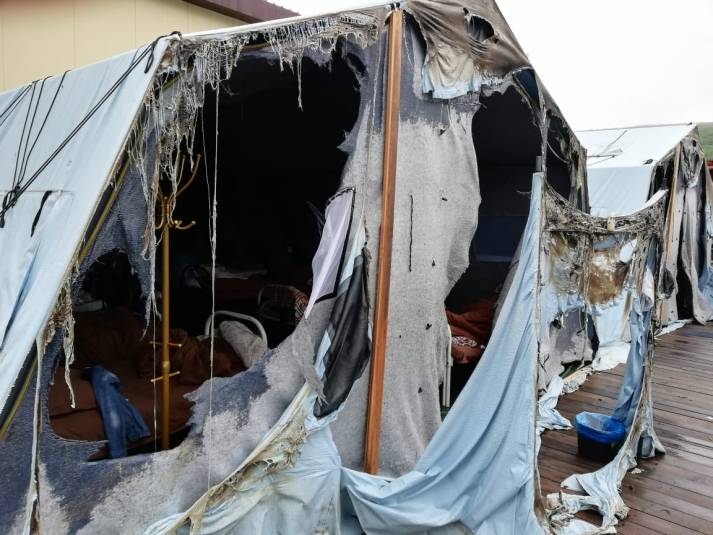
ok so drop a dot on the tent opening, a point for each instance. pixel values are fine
(273, 166)
(507, 145)
(278, 165)
(661, 177)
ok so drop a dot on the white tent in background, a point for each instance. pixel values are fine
(625, 168)
(621, 163)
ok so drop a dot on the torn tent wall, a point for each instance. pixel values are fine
(586, 273)
(46, 129)
(238, 410)
(260, 503)
(483, 480)
(469, 45)
(436, 215)
(268, 493)
(62, 183)
(688, 261)
(600, 490)
(231, 416)
(450, 486)
(442, 492)
(626, 167)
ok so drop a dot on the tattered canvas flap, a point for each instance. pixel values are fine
(591, 266)
(328, 261)
(468, 42)
(694, 240)
(35, 210)
(597, 261)
(79, 170)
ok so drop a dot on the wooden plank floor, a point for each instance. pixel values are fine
(674, 493)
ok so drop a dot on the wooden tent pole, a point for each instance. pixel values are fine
(668, 232)
(672, 201)
(386, 231)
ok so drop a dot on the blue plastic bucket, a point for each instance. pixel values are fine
(599, 437)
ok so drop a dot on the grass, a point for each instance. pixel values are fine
(706, 131)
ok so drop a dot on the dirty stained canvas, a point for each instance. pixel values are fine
(626, 167)
(283, 124)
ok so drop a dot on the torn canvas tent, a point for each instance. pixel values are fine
(479, 472)
(261, 147)
(625, 168)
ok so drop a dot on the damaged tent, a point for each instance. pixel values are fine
(625, 168)
(229, 257)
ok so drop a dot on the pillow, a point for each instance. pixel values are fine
(248, 345)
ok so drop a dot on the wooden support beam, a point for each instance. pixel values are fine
(386, 231)
(669, 237)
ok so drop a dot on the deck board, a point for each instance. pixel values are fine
(674, 493)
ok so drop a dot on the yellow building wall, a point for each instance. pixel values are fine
(39, 38)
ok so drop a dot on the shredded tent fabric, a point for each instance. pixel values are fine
(281, 441)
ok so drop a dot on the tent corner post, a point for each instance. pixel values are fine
(668, 236)
(386, 230)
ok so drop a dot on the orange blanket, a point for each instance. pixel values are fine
(113, 338)
(470, 330)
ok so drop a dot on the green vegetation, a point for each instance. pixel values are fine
(706, 131)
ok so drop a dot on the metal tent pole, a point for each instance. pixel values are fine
(165, 225)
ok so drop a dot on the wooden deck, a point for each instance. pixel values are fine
(674, 493)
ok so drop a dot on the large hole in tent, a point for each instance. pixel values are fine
(277, 167)
(661, 177)
(507, 146)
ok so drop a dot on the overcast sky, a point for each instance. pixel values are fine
(610, 63)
